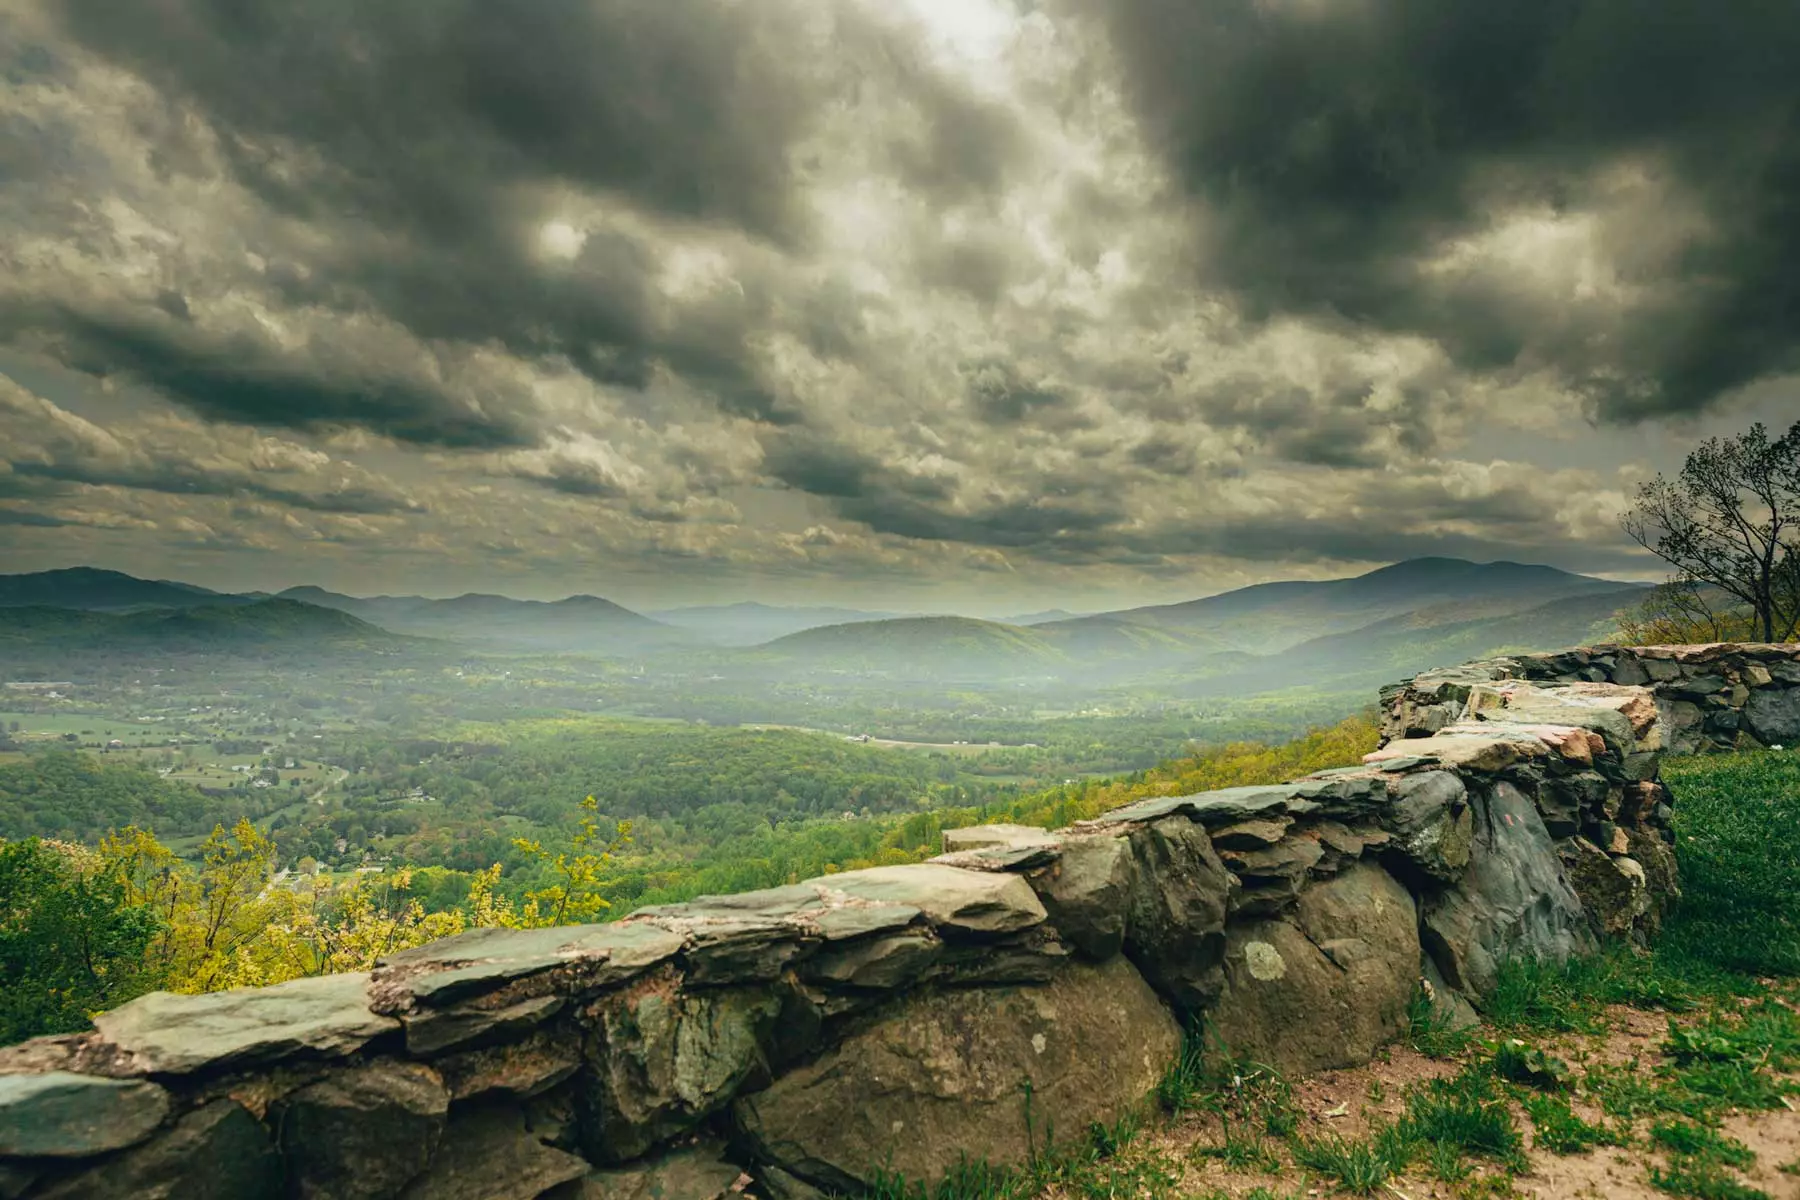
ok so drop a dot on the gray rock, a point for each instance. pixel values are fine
(62, 1115)
(1513, 900)
(776, 1183)
(1614, 891)
(166, 1034)
(363, 1132)
(879, 963)
(695, 1173)
(1221, 807)
(523, 1068)
(662, 1060)
(1448, 1005)
(1175, 913)
(437, 1030)
(1271, 876)
(487, 1155)
(1251, 835)
(1085, 893)
(945, 1075)
(1327, 986)
(953, 899)
(1030, 957)
(1772, 716)
(1542, 706)
(217, 1152)
(452, 969)
(1432, 824)
(1681, 724)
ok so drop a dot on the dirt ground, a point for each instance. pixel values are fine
(1348, 1102)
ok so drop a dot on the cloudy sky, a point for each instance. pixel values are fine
(911, 303)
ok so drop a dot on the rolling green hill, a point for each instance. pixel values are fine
(580, 624)
(921, 647)
(1269, 618)
(102, 591)
(263, 624)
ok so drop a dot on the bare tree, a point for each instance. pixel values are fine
(1731, 521)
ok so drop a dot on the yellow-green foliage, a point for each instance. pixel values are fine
(1234, 765)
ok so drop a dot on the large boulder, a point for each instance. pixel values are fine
(1085, 892)
(988, 1072)
(1326, 985)
(1513, 900)
(1614, 890)
(661, 1060)
(217, 1152)
(699, 1172)
(62, 1115)
(488, 1155)
(1772, 716)
(1175, 911)
(362, 1132)
(1432, 824)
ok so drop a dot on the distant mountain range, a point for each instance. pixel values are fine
(246, 626)
(1386, 623)
(104, 591)
(748, 623)
(579, 624)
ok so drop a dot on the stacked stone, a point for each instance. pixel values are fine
(1713, 697)
(890, 1019)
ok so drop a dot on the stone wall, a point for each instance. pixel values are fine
(1012, 991)
(1714, 697)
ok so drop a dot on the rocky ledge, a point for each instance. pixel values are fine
(801, 1039)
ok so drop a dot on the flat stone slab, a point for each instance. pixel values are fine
(479, 960)
(812, 909)
(167, 1034)
(1226, 806)
(63, 1115)
(950, 897)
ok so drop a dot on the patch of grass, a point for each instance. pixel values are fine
(1557, 1128)
(1737, 843)
(1431, 1027)
(969, 1179)
(1532, 1066)
(1467, 1112)
(1696, 1180)
(1693, 1140)
(1534, 996)
(1354, 1166)
(1188, 1084)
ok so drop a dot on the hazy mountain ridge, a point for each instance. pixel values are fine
(950, 647)
(96, 590)
(750, 623)
(585, 624)
(269, 622)
(1388, 622)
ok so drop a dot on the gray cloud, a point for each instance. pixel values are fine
(1605, 191)
(1117, 294)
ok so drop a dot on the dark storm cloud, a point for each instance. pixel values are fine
(1335, 147)
(243, 376)
(422, 142)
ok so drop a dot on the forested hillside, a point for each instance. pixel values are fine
(77, 796)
